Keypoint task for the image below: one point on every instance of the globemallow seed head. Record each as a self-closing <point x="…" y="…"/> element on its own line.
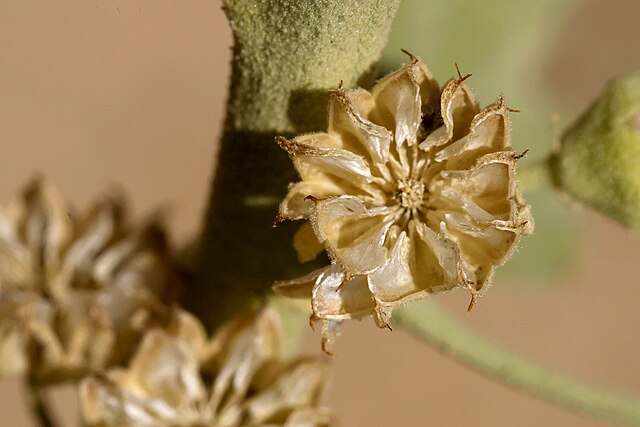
<point x="69" y="286"/>
<point x="411" y="191"/>
<point x="597" y="160"/>
<point x="180" y="377"/>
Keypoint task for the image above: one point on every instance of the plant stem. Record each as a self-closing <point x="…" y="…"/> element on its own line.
<point x="534" y="175"/>
<point x="40" y="405"/>
<point x="287" y="55"/>
<point x="427" y="322"/>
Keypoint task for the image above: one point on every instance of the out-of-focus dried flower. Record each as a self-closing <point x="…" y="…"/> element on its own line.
<point x="180" y="378"/>
<point x="68" y="287"/>
<point x="411" y="191"/>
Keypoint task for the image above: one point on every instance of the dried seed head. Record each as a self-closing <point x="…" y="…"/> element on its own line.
<point x="597" y="161"/>
<point x="411" y="191"/>
<point x="179" y="377"/>
<point x="69" y="286"/>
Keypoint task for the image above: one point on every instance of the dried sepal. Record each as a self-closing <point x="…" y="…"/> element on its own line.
<point x="306" y="244"/>
<point x="411" y="191"/>
<point x="69" y="285"/>
<point x="180" y="377"/>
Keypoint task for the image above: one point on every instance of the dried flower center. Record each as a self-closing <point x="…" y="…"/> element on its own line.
<point x="410" y="193"/>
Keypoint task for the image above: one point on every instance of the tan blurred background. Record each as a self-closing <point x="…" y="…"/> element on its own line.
<point x="97" y="94"/>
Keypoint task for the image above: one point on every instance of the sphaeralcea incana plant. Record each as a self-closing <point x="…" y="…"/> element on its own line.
<point x="403" y="189"/>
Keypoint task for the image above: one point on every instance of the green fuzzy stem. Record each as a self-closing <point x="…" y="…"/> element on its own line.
<point x="534" y="175"/>
<point x="287" y="56"/>
<point x="431" y="324"/>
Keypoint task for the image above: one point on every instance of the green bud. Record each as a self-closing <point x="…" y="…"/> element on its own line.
<point x="598" y="161"/>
